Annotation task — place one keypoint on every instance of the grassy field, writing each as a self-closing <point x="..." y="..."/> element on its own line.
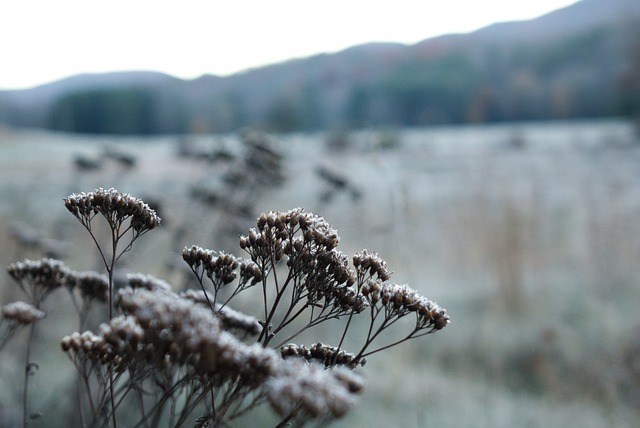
<point x="526" y="233"/>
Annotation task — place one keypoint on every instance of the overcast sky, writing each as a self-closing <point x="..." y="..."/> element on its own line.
<point x="45" y="40"/>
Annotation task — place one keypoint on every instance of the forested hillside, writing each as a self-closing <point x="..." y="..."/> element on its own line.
<point x="577" y="62"/>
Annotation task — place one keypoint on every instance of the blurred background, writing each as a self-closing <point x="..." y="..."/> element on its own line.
<point x="496" y="170"/>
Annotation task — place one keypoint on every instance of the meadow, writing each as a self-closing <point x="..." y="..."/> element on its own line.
<point x="526" y="233"/>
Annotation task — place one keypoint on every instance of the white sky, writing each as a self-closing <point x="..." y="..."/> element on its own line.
<point x="45" y="40"/>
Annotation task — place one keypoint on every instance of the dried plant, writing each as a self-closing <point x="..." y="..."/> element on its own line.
<point x="234" y="183"/>
<point x="37" y="279"/>
<point x="301" y="392"/>
<point x="305" y="281"/>
<point x="231" y="319"/>
<point x="125" y="215"/>
<point x="31" y="243"/>
<point x="192" y="358"/>
<point x="179" y="347"/>
<point x="92" y="288"/>
<point x="335" y="183"/>
<point x="14" y="316"/>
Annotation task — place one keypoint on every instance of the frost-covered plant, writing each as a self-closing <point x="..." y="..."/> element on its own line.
<point x="192" y="358"/>
<point x="126" y="216"/>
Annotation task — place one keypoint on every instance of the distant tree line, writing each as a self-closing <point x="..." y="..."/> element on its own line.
<point x="128" y="110"/>
<point x="590" y="73"/>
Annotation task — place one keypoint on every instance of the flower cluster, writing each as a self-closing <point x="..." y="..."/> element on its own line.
<point x="192" y="350"/>
<point x="330" y="278"/>
<point x="326" y="355"/>
<point x="230" y="318"/>
<point x="21" y="313"/>
<point x="115" y="206"/>
<point x="221" y="268"/>
<point x="177" y="330"/>
<point x="38" y="278"/>
<point x="398" y="300"/>
<point x="16" y="315"/>
<point x="148" y="282"/>
<point x="116" y="345"/>
<point x="91" y="285"/>
<point x="371" y="264"/>
<point x="308" y="391"/>
<point x="275" y="231"/>
<point x="309" y="244"/>
<point x="166" y="331"/>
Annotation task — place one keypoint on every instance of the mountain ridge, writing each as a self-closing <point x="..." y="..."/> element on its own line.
<point x="506" y="71"/>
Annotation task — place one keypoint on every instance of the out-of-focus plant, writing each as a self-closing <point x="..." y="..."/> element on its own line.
<point x="336" y="183"/>
<point x="37" y="279"/>
<point x="239" y="181"/>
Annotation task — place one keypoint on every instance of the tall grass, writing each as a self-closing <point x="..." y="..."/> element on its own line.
<point x="461" y="214"/>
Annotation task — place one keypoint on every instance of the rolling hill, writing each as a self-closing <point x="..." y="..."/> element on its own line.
<point x="575" y="62"/>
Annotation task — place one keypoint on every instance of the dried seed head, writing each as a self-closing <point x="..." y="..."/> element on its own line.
<point x="47" y="273"/>
<point x="38" y="278"/>
<point x="220" y="267"/>
<point x="311" y="391"/>
<point x="184" y="332"/>
<point x="230" y="318"/>
<point x="249" y="271"/>
<point x="326" y="355"/>
<point x="124" y="334"/>
<point x="148" y="282"/>
<point x="22" y="313"/>
<point x="371" y="265"/>
<point x="400" y="300"/>
<point x="115" y="206"/>
<point x="276" y="234"/>
<point x="92" y="285"/>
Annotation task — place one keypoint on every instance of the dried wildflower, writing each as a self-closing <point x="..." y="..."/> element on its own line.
<point x="148" y="282"/>
<point x="187" y="345"/>
<point x="230" y="318"/>
<point x="368" y="265"/>
<point x="219" y="267"/>
<point x="319" y="275"/>
<point x="182" y="332"/>
<point x="326" y="355"/>
<point x="275" y="231"/>
<point x="391" y="302"/>
<point x="402" y="299"/>
<point x="38" y="278"/>
<point x="117" y="346"/>
<point x="124" y="335"/>
<point x="310" y="392"/>
<point x="115" y="207"/>
<point x="22" y="313"/>
<point x="92" y="285"/>
<point x="89" y="347"/>
<point x="330" y="278"/>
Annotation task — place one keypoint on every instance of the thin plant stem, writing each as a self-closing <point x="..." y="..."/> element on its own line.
<point x="27" y="374"/>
